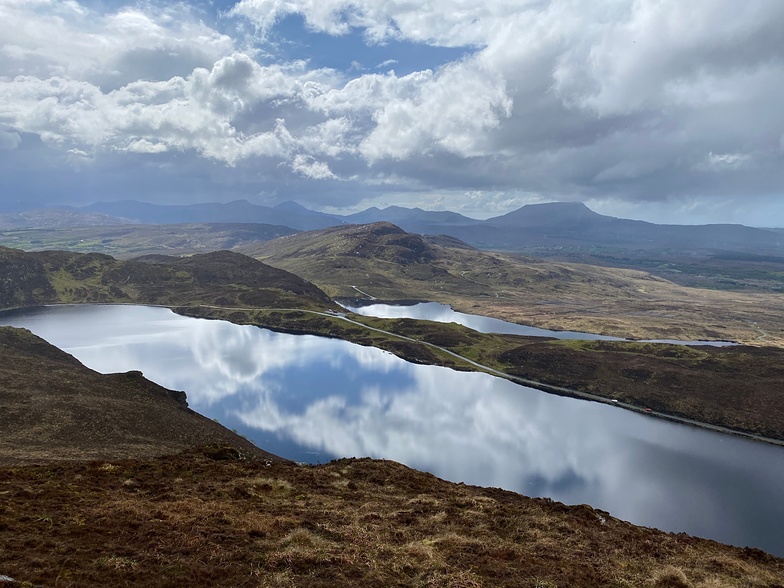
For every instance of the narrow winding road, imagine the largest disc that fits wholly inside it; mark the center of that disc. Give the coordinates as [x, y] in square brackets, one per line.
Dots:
[487, 369]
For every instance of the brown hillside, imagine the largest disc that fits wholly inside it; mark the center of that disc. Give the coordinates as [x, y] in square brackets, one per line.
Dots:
[192, 521]
[378, 241]
[221, 277]
[552, 295]
[53, 408]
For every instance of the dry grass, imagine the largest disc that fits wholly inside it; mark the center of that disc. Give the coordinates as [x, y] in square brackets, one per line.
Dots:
[54, 408]
[548, 294]
[193, 521]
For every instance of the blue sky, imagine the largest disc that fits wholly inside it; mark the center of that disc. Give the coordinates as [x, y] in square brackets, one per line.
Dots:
[661, 111]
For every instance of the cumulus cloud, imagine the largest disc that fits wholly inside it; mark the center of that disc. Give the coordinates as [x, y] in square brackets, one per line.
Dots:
[613, 99]
[446, 22]
[145, 146]
[310, 168]
[46, 38]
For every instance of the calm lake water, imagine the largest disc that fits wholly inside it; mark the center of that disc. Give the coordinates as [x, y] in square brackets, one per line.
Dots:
[314, 399]
[442, 313]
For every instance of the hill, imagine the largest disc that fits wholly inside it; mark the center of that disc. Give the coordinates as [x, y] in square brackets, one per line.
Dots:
[378, 241]
[54, 409]
[384, 262]
[191, 520]
[414, 220]
[572, 224]
[725, 257]
[53, 218]
[220, 278]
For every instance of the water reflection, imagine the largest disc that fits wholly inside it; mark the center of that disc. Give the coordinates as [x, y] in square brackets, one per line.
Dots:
[313, 399]
[442, 313]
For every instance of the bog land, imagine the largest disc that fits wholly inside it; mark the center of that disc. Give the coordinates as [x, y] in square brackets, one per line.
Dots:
[178, 500]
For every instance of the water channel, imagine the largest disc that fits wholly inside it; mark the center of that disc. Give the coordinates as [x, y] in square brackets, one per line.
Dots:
[313, 399]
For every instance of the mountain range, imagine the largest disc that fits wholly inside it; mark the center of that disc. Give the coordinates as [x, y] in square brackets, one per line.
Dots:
[537, 226]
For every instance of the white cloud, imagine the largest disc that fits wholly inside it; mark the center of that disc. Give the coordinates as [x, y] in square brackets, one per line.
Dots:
[446, 22]
[192, 113]
[451, 111]
[48, 38]
[558, 99]
[145, 146]
[386, 63]
[727, 160]
[310, 168]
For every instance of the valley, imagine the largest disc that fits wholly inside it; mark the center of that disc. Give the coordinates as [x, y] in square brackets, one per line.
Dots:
[302, 294]
[230, 286]
[286, 280]
[229, 513]
[389, 264]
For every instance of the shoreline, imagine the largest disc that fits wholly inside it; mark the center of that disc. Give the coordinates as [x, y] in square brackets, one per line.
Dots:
[473, 365]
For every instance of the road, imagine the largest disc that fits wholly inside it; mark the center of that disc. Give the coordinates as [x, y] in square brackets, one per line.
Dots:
[533, 383]
[484, 368]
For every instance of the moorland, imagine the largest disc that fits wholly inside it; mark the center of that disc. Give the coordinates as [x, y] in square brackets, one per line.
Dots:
[674, 380]
[115, 497]
[128, 487]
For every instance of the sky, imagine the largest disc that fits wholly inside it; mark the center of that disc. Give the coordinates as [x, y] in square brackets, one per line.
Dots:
[661, 110]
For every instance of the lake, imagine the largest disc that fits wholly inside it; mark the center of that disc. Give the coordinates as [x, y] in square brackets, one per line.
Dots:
[443, 313]
[313, 399]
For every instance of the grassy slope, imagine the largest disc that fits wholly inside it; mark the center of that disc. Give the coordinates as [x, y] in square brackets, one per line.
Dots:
[220, 278]
[390, 264]
[54, 408]
[717, 270]
[190, 520]
[734, 387]
[737, 388]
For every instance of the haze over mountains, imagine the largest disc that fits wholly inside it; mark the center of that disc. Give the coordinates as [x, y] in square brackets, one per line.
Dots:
[558, 224]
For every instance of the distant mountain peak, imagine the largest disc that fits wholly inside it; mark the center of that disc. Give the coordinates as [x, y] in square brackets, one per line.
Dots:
[572, 207]
[547, 214]
[291, 206]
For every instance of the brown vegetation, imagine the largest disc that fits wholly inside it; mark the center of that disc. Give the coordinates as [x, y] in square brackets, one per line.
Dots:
[222, 277]
[734, 387]
[233, 515]
[198, 520]
[127, 240]
[54, 408]
[552, 295]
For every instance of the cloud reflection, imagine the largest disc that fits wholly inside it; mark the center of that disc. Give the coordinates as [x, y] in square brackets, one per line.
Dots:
[209, 359]
[336, 398]
[442, 313]
[470, 427]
